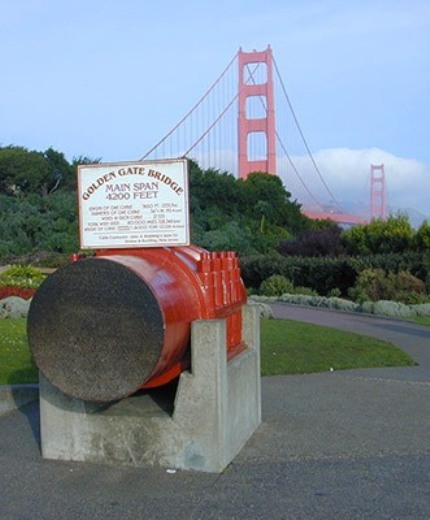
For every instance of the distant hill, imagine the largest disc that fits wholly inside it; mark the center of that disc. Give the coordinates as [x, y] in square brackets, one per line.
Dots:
[415, 217]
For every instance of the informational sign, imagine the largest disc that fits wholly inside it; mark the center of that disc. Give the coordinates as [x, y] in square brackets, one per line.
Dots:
[139, 204]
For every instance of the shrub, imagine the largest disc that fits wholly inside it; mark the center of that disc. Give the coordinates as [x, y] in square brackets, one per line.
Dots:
[407, 288]
[424, 271]
[357, 294]
[314, 242]
[320, 274]
[39, 259]
[22, 276]
[391, 262]
[371, 285]
[276, 285]
[393, 235]
[375, 284]
[421, 240]
[340, 274]
[306, 291]
[257, 268]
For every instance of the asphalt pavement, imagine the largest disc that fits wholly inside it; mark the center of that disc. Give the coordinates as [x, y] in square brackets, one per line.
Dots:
[352, 444]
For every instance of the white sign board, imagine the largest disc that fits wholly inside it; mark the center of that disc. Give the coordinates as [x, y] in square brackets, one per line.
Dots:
[139, 204]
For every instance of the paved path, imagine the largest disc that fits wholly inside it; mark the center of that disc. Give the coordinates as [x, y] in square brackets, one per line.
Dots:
[344, 445]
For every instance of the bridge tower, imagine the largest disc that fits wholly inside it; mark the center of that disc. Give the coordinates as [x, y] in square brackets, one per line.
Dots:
[378, 196]
[249, 88]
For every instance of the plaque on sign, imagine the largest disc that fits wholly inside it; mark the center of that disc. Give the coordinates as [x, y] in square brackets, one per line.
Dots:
[133, 204]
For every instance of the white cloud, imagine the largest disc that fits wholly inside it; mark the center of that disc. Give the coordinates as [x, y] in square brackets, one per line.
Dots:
[347, 174]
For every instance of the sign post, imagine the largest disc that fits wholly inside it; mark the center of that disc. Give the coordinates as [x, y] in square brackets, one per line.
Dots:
[134, 204]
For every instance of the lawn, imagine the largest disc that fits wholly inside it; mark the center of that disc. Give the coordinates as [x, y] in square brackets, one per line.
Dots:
[287, 347]
[291, 347]
[422, 320]
[16, 364]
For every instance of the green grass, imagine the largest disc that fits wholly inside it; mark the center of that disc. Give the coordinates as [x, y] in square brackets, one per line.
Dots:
[422, 320]
[287, 347]
[16, 364]
[291, 347]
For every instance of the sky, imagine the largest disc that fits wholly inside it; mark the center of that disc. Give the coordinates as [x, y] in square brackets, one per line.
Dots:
[109, 78]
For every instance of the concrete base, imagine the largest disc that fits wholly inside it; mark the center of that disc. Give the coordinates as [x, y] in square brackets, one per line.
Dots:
[16, 396]
[216, 408]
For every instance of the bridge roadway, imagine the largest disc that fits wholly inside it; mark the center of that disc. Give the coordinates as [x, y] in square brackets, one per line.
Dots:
[340, 445]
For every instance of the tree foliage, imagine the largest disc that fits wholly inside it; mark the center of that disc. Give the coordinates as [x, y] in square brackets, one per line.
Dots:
[34, 223]
[249, 216]
[38, 207]
[255, 217]
[24, 171]
[376, 284]
[325, 241]
[393, 235]
[39, 210]
[421, 239]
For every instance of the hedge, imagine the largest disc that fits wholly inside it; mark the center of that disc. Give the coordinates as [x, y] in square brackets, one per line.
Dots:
[325, 274]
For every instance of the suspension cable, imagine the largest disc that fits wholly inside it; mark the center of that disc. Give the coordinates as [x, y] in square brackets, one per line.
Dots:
[215, 121]
[293, 166]
[199, 102]
[304, 139]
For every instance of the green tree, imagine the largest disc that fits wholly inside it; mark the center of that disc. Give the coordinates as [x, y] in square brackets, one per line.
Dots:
[22, 171]
[251, 215]
[421, 240]
[212, 189]
[393, 235]
[264, 198]
[62, 173]
[85, 159]
[32, 223]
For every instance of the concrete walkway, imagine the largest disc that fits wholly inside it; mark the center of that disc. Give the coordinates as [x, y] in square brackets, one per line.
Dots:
[342, 445]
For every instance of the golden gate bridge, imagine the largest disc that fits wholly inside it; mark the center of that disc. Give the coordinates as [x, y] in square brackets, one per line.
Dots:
[239, 126]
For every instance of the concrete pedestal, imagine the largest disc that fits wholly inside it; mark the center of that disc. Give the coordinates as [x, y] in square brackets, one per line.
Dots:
[216, 408]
